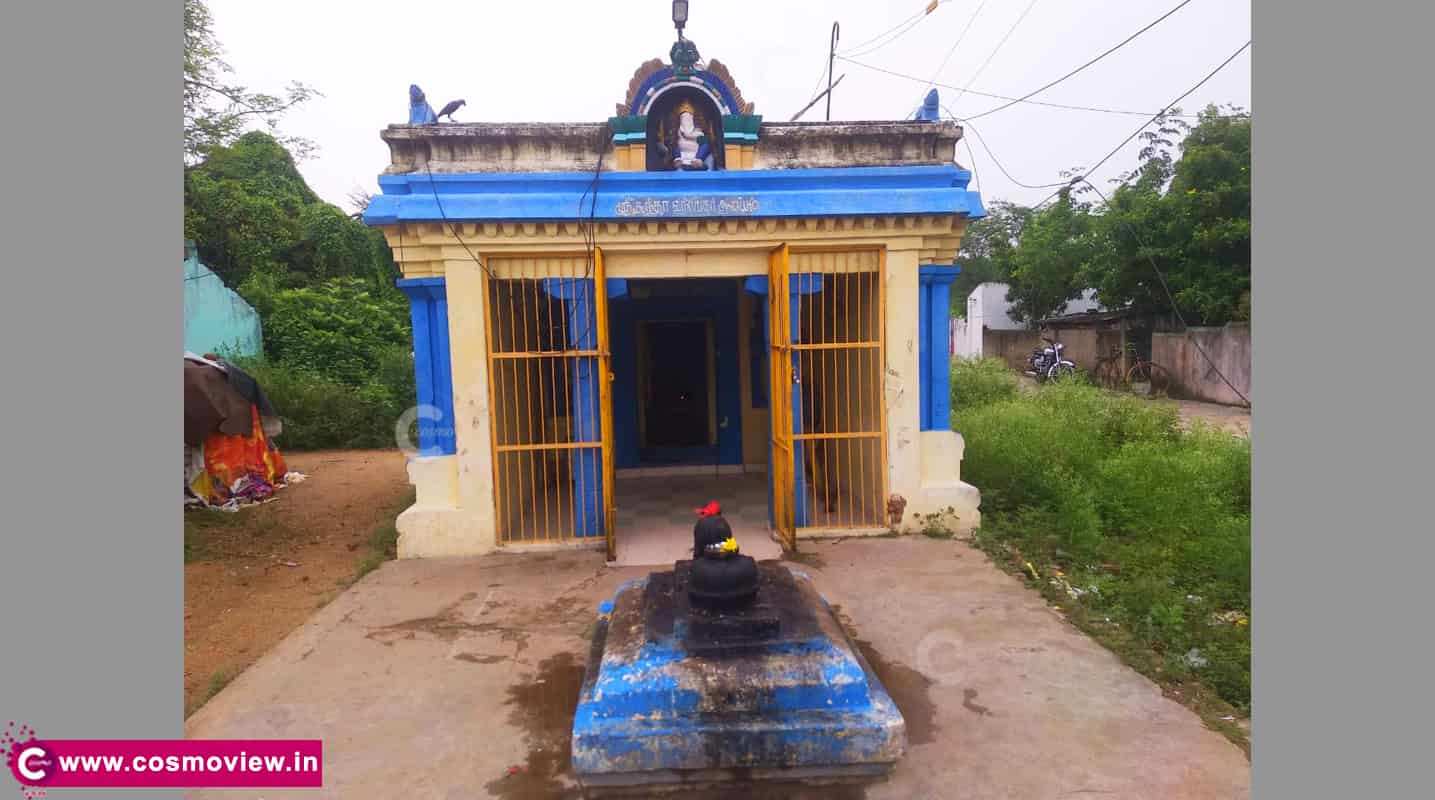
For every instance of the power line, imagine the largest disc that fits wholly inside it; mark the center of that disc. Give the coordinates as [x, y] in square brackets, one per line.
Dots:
[975, 175]
[1108, 52]
[1170, 297]
[451, 229]
[1156, 116]
[994, 52]
[1068, 107]
[909, 22]
[820, 76]
[953, 48]
[914, 22]
[994, 157]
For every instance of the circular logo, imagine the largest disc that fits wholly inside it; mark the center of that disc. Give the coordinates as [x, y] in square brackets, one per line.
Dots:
[939, 668]
[34, 763]
[403, 428]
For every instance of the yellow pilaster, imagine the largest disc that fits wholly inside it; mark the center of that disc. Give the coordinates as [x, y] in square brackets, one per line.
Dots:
[733, 155]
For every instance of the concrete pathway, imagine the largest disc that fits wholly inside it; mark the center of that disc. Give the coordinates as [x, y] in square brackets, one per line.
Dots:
[431, 679]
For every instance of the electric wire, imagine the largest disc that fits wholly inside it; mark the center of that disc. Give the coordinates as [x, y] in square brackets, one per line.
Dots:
[1108, 52]
[1065, 106]
[909, 23]
[915, 21]
[1154, 117]
[1170, 298]
[981, 140]
[948, 57]
[995, 50]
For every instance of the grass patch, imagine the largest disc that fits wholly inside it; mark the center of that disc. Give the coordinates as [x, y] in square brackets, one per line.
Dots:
[220, 679]
[939, 524]
[210, 534]
[980, 382]
[384, 541]
[1139, 529]
[202, 527]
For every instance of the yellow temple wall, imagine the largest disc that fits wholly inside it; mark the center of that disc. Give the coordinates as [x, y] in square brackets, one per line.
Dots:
[454, 513]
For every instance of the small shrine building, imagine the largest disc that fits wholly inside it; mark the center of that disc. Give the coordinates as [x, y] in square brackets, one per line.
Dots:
[685, 288]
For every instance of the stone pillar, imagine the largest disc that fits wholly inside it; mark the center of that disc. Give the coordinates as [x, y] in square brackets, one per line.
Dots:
[902, 378]
[924, 465]
[453, 513]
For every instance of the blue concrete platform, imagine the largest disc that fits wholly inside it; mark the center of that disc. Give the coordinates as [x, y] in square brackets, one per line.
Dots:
[678, 694]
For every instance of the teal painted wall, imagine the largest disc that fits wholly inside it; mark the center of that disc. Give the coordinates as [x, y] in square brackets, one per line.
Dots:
[216, 319]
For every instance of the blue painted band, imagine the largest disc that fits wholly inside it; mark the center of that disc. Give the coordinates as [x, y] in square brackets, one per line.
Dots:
[433, 288]
[935, 376]
[799, 283]
[818, 192]
[938, 273]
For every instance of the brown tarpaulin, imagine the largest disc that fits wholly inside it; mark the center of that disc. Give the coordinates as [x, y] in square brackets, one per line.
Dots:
[211, 405]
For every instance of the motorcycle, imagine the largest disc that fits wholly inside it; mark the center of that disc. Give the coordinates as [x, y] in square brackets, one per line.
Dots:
[1047, 362]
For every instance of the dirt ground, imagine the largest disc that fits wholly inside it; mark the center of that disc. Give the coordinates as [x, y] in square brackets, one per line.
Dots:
[241, 594]
[1232, 418]
[458, 678]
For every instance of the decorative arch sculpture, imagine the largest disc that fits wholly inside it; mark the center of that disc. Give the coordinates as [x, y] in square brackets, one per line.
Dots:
[649, 125]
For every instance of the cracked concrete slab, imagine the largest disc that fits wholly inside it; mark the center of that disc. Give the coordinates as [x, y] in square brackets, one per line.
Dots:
[458, 678]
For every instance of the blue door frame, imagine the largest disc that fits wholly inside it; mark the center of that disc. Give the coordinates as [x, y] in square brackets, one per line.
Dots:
[721, 307]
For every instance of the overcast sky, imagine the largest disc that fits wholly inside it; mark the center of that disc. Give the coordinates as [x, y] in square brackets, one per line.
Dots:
[566, 60]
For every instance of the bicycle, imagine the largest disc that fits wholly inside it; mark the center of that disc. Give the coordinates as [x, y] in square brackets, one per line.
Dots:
[1152, 378]
[1155, 378]
[1108, 370]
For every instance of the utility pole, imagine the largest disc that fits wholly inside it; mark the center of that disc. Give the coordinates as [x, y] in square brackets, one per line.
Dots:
[831, 57]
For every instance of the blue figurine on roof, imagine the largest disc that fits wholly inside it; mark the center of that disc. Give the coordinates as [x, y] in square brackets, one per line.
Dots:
[420, 112]
[930, 108]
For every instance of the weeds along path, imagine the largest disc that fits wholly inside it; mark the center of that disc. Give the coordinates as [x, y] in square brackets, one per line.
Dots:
[252, 577]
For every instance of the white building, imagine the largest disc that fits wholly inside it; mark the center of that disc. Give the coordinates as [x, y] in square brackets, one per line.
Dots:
[987, 309]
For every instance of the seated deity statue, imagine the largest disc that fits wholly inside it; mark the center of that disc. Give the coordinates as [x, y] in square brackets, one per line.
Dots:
[690, 143]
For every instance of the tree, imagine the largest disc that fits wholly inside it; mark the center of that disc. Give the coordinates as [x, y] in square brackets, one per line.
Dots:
[1192, 218]
[216, 111]
[250, 212]
[1058, 244]
[987, 249]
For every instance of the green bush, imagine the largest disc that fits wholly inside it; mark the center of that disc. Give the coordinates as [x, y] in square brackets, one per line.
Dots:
[978, 382]
[320, 412]
[1022, 453]
[1149, 524]
[338, 364]
[340, 328]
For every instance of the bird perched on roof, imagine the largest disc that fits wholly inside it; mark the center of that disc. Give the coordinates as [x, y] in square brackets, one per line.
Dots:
[447, 110]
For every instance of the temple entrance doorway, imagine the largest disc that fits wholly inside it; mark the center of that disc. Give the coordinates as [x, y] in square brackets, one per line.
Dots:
[679, 405]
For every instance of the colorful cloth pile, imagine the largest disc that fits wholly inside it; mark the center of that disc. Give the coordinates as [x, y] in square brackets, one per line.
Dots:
[229, 458]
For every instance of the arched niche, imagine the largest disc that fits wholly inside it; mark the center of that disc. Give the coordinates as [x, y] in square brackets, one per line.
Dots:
[663, 114]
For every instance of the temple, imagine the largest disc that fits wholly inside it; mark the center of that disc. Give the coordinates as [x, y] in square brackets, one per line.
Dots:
[683, 288]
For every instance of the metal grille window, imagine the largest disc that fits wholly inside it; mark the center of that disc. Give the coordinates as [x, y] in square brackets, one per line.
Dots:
[548, 387]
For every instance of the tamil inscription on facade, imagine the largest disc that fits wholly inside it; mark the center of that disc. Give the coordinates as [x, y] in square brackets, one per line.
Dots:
[687, 206]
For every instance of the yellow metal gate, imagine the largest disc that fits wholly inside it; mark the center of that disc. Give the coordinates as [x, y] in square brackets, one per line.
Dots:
[780, 400]
[550, 398]
[839, 357]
